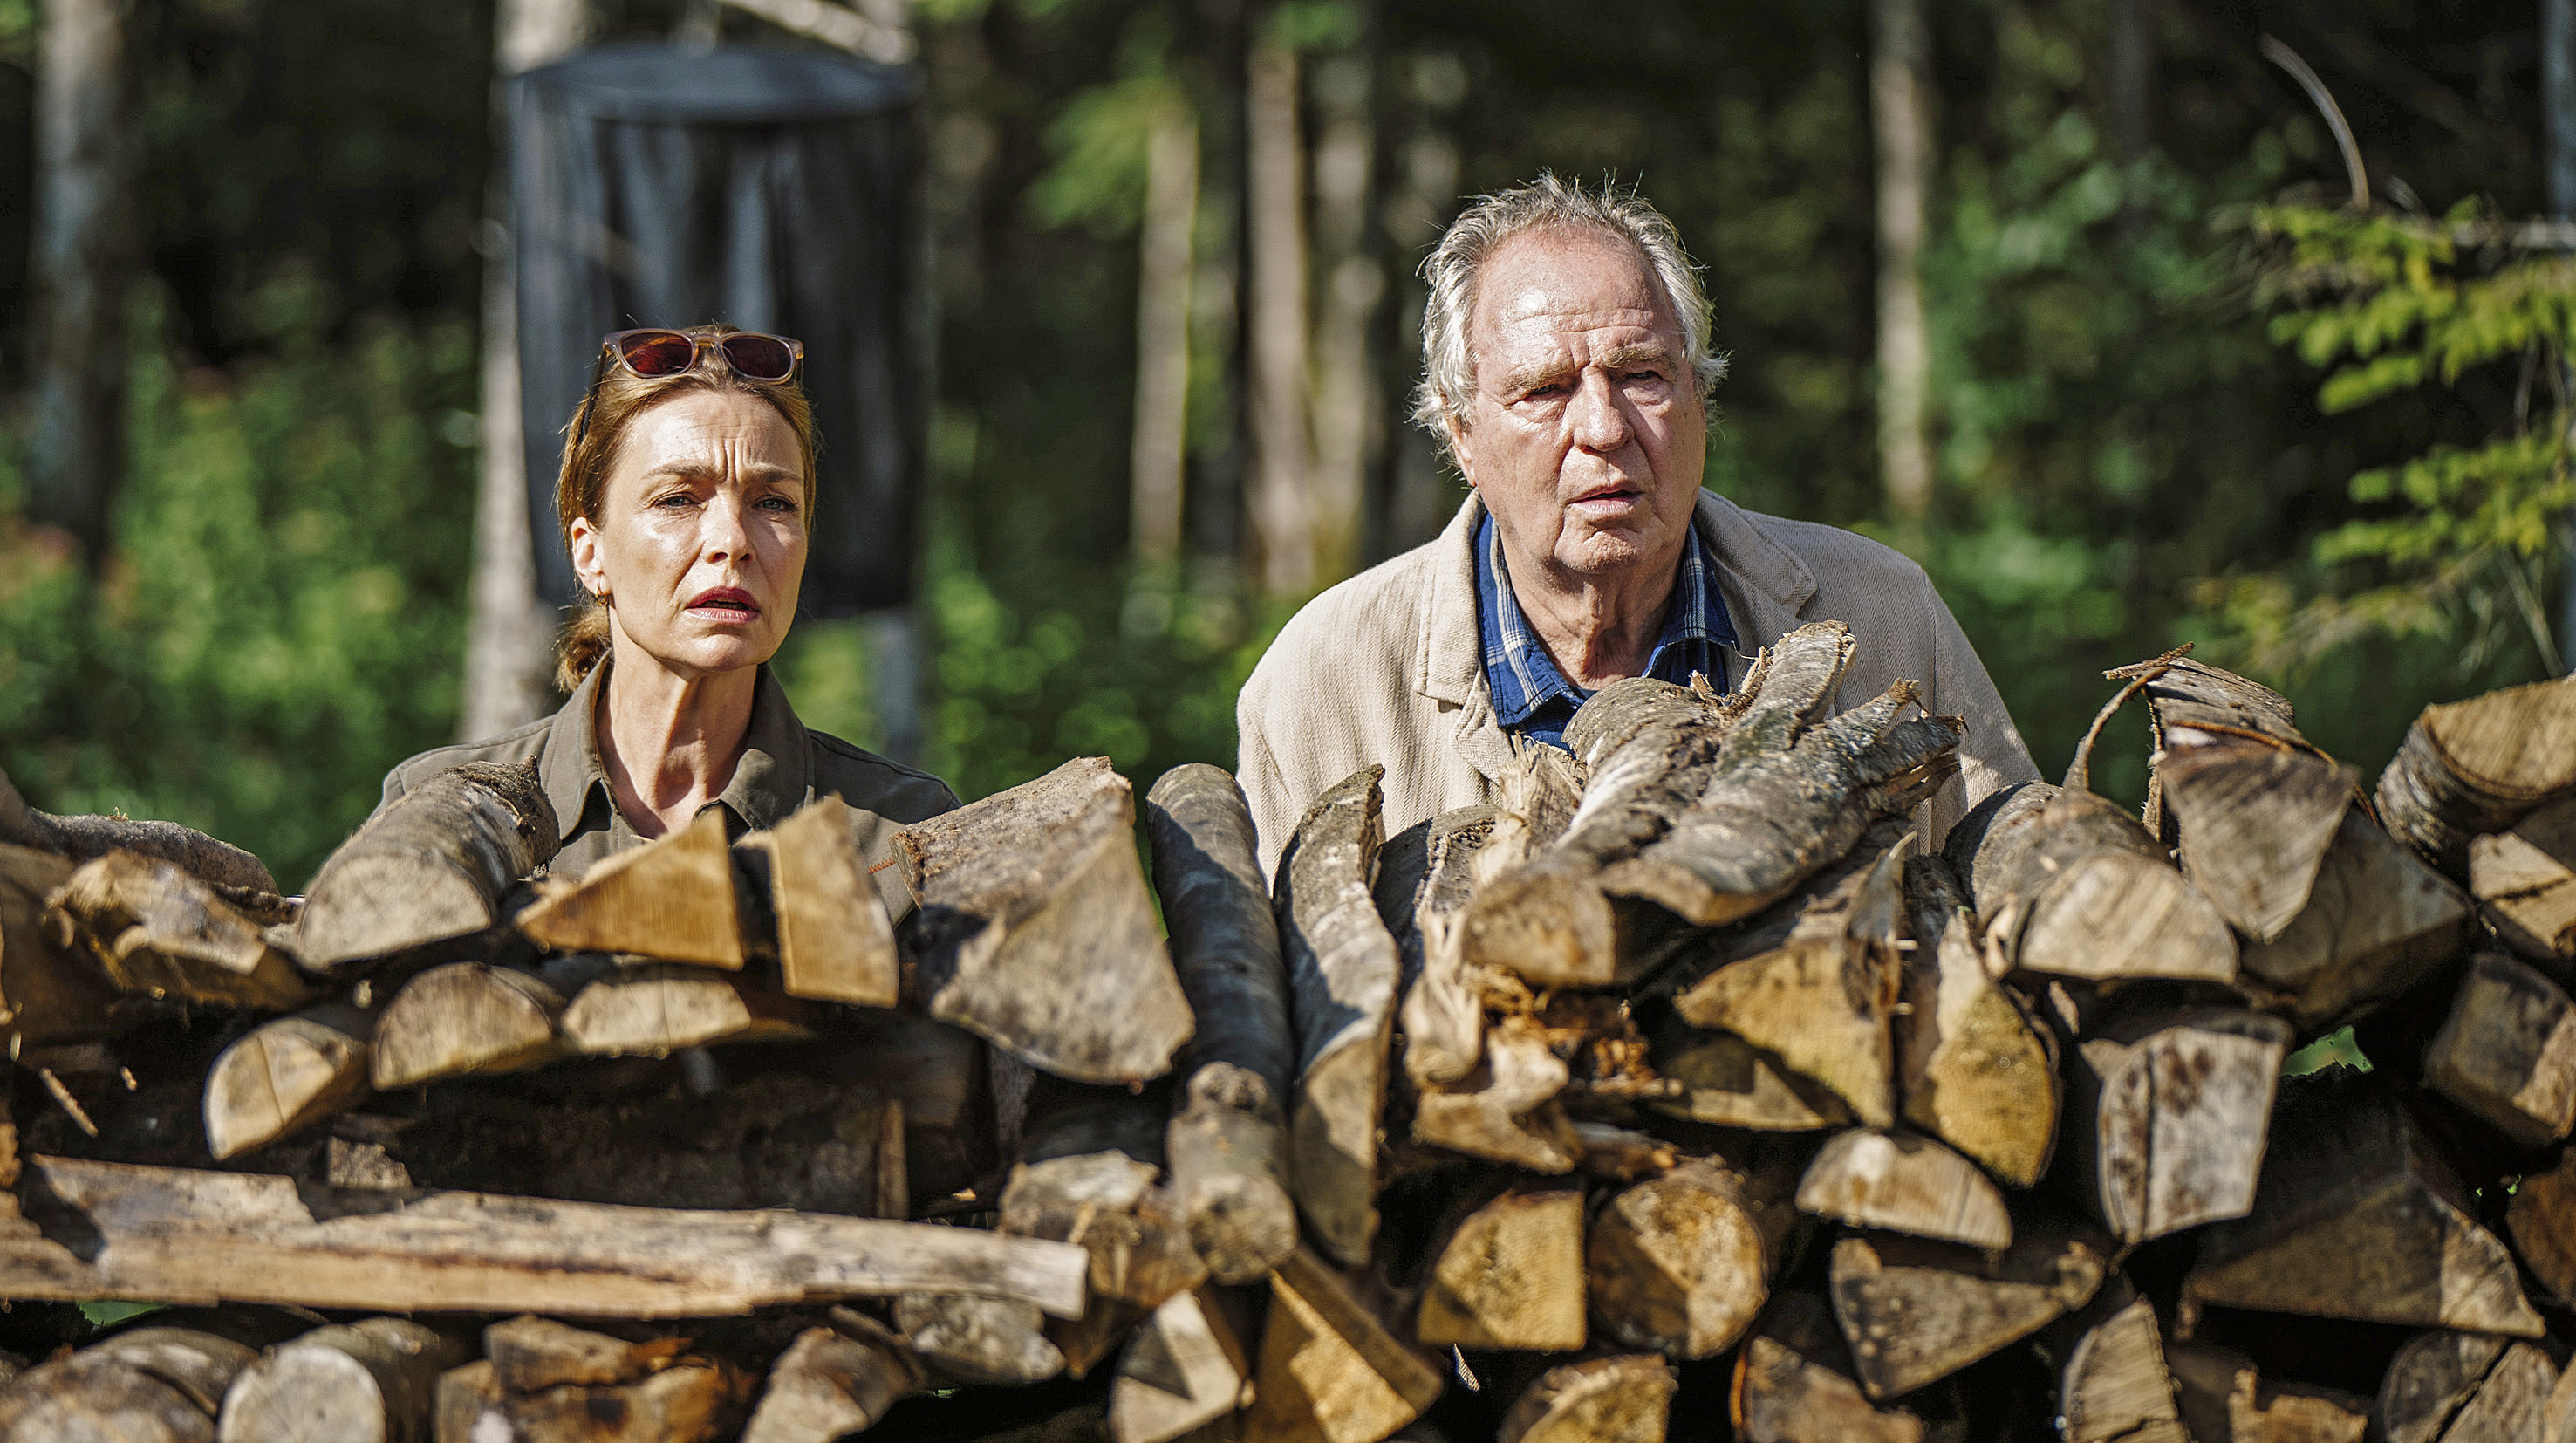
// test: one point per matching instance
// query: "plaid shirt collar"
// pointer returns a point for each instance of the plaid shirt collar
(1532, 698)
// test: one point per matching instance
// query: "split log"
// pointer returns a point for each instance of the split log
(1537, 800)
(835, 941)
(1102, 1201)
(172, 1235)
(529, 1354)
(47, 995)
(80, 1399)
(2541, 1220)
(2479, 766)
(1509, 1274)
(1793, 1384)
(2378, 922)
(671, 899)
(1227, 1145)
(1036, 931)
(1907, 1184)
(834, 1382)
(2506, 1054)
(1505, 1109)
(2168, 1117)
(2357, 1216)
(660, 1008)
(979, 1339)
(2525, 883)
(1329, 1371)
(1682, 1263)
(159, 931)
(2224, 1399)
(434, 865)
(1185, 1369)
(1819, 1000)
(201, 1365)
(465, 1017)
(1443, 1014)
(2114, 1387)
(2255, 821)
(1342, 975)
(937, 1075)
(1729, 1082)
(372, 1381)
(2558, 1415)
(692, 1401)
(2072, 886)
(1972, 1069)
(1599, 1400)
(287, 1074)
(1916, 1311)
(2447, 1387)
(83, 838)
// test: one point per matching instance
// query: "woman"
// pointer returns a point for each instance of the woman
(684, 499)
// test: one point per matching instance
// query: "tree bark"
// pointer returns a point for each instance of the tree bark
(2541, 1220)
(1158, 451)
(2479, 766)
(433, 866)
(1342, 970)
(671, 899)
(1900, 106)
(1283, 507)
(47, 995)
(1916, 1311)
(79, 264)
(242, 878)
(1902, 1183)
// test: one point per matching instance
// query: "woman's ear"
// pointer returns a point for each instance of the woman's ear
(585, 558)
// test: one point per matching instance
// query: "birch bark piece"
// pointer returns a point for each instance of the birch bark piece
(1509, 1275)
(2072, 886)
(434, 865)
(1916, 1311)
(657, 1009)
(1342, 974)
(1037, 931)
(1227, 1145)
(1907, 1184)
(2479, 766)
(465, 1017)
(2506, 1053)
(1794, 1384)
(2225, 1399)
(1186, 1368)
(2168, 1117)
(1329, 1371)
(2357, 1216)
(153, 1234)
(832, 1383)
(373, 1381)
(287, 1074)
(2379, 921)
(671, 899)
(1598, 1400)
(1682, 1263)
(159, 931)
(1971, 1067)
(2525, 883)
(835, 941)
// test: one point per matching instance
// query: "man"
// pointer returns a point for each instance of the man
(1567, 364)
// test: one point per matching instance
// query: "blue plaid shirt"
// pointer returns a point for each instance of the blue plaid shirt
(1532, 699)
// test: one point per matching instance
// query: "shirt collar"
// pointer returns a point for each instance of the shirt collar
(1523, 678)
(772, 779)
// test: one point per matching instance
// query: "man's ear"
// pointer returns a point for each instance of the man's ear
(585, 557)
(1459, 451)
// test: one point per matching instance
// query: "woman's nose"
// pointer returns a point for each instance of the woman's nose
(727, 532)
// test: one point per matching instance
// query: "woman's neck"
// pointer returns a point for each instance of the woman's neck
(668, 743)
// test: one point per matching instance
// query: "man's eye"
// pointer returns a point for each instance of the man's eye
(1552, 388)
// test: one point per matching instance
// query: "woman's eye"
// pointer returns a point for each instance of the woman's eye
(786, 504)
(676, 500)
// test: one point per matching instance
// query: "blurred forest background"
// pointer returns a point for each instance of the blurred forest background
(2076, 301)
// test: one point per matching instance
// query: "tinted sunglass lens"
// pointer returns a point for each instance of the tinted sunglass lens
(762, 358)
(659, 355)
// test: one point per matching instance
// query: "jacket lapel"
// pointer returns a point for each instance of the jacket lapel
(1764, 582)
(1450, 665)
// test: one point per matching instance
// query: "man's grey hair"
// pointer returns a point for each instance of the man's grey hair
(1449, 364)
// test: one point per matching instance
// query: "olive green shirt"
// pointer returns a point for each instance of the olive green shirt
(784, 765)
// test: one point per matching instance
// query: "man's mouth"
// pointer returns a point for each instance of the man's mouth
(1608, 497)
(729, 600)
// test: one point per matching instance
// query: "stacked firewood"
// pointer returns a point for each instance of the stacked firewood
(1684, 1091)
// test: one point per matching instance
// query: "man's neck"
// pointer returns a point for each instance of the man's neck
(668, 743)
(1596, 629)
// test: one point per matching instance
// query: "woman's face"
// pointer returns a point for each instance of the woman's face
(699, 542)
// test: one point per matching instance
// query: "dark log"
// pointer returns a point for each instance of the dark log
(1682, 1263)
(2447, 1387)
(2224, 1399)
(1971, 1067)
(834, 1382)
(2506, 1054)
(1036, 929)
(287, 1074)
(1342, 976)
(1794, 1384)
(2072, 886)
(1509, 1274)
(465, 1017)
(2379, 921)
(2167, 1117)
(693, 1401)
(372, 1381)
(47, 994)
(2541, 1220)
(660, 1008)
(1227, 1145)
(671, 899)
(1329, 1370)
(435, 864)
(1916, 1311)
(156, 930)
(1599, 1400)
(835, 941)
(1900, 1182)
(2357, 1216)
(2479, 766)
(529, 1354)
(1186, 1368)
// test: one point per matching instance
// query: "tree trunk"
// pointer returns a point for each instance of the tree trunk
(1159, 450)
(1599, 1400)
(432, 867)
(1906, 1184)
(1681, 1263)
(1346, 424)
(1283, 505)
(508, 662)
(1900, 107)
(1342, 970)
(1916, 1311)
(83, 250)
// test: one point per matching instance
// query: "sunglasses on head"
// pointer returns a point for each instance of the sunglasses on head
(653, 353)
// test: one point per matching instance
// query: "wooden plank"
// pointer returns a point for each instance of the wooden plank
(98, 1230)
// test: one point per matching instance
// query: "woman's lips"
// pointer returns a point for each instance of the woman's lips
(725, 605)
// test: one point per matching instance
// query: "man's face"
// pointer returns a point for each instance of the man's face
(1584, 433)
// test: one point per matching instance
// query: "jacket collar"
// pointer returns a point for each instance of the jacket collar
(772, 779)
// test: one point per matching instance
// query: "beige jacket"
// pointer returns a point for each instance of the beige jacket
(1388, 667)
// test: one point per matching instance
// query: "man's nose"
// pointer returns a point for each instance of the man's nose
(1599, 424)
